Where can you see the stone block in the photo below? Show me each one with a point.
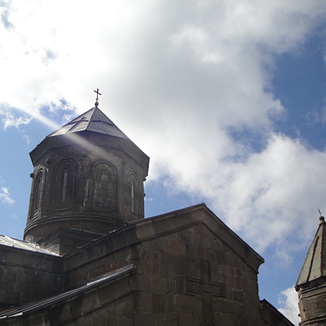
(76, 307)
(146, 302)
(123, 321)
(160, 285)
(59, 314)
(158, 304)
(170, 303)
(180, 284)
(124, 307)
(238, 296)
(141, 319)
(142, 283)
(39, 318)
(15, 258)
(226, 317)
(224, 306)
(90, 302)
(188, 301)
(186, 319)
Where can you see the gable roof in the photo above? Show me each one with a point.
(272, 316)
(158, 226)
(314, 265)
(93, 120)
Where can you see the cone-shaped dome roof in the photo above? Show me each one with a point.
(93, 120)
(314, 265)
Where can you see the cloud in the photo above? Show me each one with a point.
(289, 300)
(12, 120)
(270, 191)
(4, 14)
(5, 196)
(26, 138)
(191, 83)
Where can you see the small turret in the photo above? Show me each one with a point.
(311, 283)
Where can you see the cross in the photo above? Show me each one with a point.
(97, 94)
(207, 289)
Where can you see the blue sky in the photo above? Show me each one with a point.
(226, 97)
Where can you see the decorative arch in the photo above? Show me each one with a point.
(104, 186)
(37, 194)
(64, 183)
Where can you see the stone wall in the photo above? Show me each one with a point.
(108, 304)
(312, 303)
(190, 277)
(182, 278)
(28, 276)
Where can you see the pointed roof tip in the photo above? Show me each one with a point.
(97, 99)
(314, 265)
(93, 120)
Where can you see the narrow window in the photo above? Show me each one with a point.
(37, 193)
(64, 186)
(104, 189)
(132, 197)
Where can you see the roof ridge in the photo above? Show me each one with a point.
(90, 119)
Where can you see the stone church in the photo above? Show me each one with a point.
(89, 257)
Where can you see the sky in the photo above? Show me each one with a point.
(227, 97)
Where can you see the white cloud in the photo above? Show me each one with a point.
(5, 196)
(182, 79)
(270, 191)
(12, 120)
(26, 138)
(289, 301)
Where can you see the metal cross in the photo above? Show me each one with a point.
(97, 94)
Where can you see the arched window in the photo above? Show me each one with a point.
(37, 193)
(133, 193)
(105, 191)
(132, 197)
(63, 189)
(64, 186)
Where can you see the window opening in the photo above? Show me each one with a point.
(37, 192)
(64, 186)
(132, 197)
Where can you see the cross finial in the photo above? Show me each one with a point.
(97, 94)
(321, 218)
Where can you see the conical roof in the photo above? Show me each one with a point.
(93, 120)
(314, 265)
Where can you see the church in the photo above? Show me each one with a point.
(89, 257)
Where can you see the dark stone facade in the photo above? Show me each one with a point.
(87, 175)
(90, 258)
(28, 276)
